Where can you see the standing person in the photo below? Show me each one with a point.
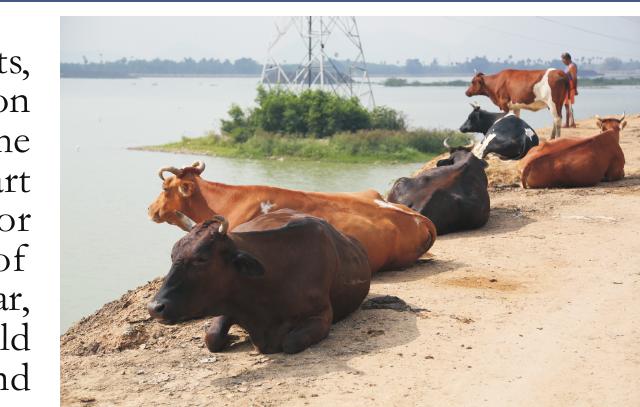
(572, 73)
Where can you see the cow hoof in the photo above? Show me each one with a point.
(216, 343)
(292, 345)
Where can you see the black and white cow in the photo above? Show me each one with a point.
(505, 135)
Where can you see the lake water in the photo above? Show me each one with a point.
(108, 243)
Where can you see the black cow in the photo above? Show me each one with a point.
(507, 136)
(284, 277)
(453, 195)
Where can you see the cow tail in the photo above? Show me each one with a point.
(525, 174)
(567, 88)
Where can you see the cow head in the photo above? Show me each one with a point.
(477, 86)
(176, 191)
(611, 123)
(479, 121)
(457, 154)
(206, 264)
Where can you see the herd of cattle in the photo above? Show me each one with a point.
(286, 264)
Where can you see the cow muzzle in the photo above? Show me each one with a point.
(157, 309)
(153, 211)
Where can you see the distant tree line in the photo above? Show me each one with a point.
(584, 82)
(124, 67)
(161, 67)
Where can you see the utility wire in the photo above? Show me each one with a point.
(635, 20)
(557, 44)
(612, 37)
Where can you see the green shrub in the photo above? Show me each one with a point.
(238, 127)
(310, 113)
(383, 117)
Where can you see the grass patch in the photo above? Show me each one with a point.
(364, 146)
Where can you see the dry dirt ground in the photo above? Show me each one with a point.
(541, 307)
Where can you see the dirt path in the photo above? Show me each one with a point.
(539, 308)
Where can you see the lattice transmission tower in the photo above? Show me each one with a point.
(316, 67)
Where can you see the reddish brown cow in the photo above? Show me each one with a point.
(514, 89)
(576, 162)
(393, 235)
(284, 277)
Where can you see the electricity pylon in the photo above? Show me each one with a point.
(316, 68)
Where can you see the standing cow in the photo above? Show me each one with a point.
(505, 135)
(514, 89)
(453, 195)
(576, 162)
(284, 277)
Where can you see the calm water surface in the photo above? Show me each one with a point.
(108, 243)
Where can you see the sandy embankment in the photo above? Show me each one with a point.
(538, 308)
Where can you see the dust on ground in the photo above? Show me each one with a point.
(538, 308)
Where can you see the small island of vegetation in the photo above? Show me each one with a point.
(316, 125)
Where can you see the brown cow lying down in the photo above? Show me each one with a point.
(393, 236)
(576, 162)
(284, 277)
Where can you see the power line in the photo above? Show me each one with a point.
(635, 20)
(557, 44)
(612, 37)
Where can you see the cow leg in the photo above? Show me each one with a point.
(516, 112)
(615, 171)
(556, 114)
(308, 332)
(217, 337)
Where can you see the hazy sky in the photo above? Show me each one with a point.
(390, 39)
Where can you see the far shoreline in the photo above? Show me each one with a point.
(357, 160)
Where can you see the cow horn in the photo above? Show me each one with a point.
(224, 224)
(446, 144)
(224, 227)
(184, 222)
(470, 144)
(172, 170)
(199, 165)
(624, 114)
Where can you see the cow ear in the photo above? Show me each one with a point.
(444, 162)
(247, 265)
(186, 188)
(624, 123)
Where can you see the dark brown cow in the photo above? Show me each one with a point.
(284, 277)
(514, 89)
(453, 195)
(576, 162)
